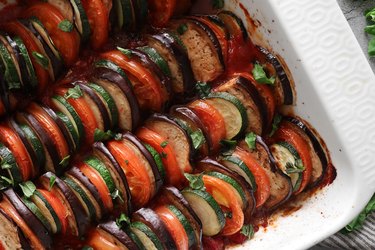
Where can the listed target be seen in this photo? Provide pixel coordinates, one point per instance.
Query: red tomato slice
(58, 207)
(66, 42)
(139, 181)
(99, 183)
(98, 240)
(161, 11)
(226, 197)
(98, 14)
(16, 28)
(174, 226)
(49, 125)
(148, 90)
(85, 114)
(212, 120)
(174, 174)
(287, 133)
(16, 217)
(261, 178)
(15, 145)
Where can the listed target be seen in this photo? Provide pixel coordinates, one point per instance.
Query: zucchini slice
(289, 162)
(157, 159)
(154, 55)
(207, 209)
(233, 112)
(237, 165)
(148, 238)
(10, 65)
(9, 164)
(185, 223)
(38, 213)
(81, 20)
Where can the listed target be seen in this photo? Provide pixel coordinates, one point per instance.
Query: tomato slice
(140, 184)
(261, 178)
(149, 91)
(212, 120)
(16, 217)
(174, 226)
(15, 145)
(161, 11)
(49, 125)
(287, 133)
(174, 174)
(85, 113)
(58, 207)
(99, 183)
(226, 197)
(66, 42)
(16, 28)
(98, 240)
(98, 14)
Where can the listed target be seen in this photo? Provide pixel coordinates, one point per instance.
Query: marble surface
(353, 11)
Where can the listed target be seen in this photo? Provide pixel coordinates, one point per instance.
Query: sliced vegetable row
(128, 171)
(36, 48)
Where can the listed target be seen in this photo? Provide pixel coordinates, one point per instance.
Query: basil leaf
(357, 222)
(5, 165)
(5, 182)
(182, 29)
(228, 144)
(126, 52)
(64, 162)
(275, 124)
(203, 89)
(74, 93)
(66, 26)
(248, 231)
(250, 140)
(52, 181)
(28, 188)
(100, 135)
(371, 47)
(260, 75)
(123, 221)
(164, 144)
(197, 138)
(195, 181)
(118, 137)
(217, 4)
(41, 59)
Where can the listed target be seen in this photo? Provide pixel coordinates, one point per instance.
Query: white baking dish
(336, 94)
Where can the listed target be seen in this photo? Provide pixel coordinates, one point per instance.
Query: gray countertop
(353, 11)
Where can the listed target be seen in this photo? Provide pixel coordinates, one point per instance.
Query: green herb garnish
(260, 75)
(250, 140)
(41, 59)
(74, 93)
(28, 188)
(66, 26)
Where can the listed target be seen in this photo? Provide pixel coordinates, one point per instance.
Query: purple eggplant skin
(133, 139)
(31, 220)
(146, 61)
(99, 103)
(13, 124)
(188, 115)
(213, 38)
(183, 61)
(288, 92)
(168, 119)
(173, 197)
(208, 164)
(81, 221)
(61, 126)
(275, 202)
(101, 151)
(127, 89)
(316, 143)
(113, 229)
(76, 173)
(258, 100)
(20, 237)
(153, 221)
(44, 138)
